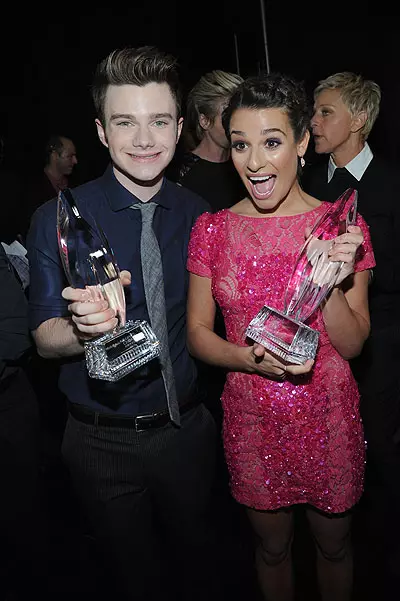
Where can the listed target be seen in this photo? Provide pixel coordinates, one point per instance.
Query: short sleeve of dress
(198, 261)
(365, 255)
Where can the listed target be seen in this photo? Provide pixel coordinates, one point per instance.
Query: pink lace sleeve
(365, 256)
(198, 261)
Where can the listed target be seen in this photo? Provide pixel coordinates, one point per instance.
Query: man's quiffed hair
(138, 67)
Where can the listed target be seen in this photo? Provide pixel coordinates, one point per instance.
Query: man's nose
(143, 137)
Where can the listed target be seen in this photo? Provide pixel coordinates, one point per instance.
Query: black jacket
(379, 204)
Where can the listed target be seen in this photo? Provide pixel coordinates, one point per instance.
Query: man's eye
(160, 123)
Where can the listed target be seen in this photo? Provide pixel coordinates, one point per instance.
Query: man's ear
(179, 129)
(101, 133)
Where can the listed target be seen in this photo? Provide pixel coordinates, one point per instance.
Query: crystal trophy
(89, 263)
(285, 334)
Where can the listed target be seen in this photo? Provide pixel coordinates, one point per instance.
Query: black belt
(138, 422)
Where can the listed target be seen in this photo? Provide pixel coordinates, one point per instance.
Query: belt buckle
(145, 420)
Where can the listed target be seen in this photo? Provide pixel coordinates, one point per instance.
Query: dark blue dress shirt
(108, 202)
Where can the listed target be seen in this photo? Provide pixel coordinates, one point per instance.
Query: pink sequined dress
(299, 440)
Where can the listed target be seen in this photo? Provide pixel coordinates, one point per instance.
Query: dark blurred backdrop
(48, 57)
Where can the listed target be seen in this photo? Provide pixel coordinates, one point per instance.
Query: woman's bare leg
(334, 555)
(273, 555)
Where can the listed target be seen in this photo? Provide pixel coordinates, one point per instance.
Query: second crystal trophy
(89, 263)
(284, 333)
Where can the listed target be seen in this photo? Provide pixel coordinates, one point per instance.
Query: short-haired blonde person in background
(346, 106)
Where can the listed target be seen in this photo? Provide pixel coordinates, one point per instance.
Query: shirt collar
(120, 198)
(356, 166)
(58, 183)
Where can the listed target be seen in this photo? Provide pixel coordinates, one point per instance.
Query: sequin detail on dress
(296, 441)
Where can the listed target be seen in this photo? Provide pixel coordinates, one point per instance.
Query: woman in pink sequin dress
(292, 434)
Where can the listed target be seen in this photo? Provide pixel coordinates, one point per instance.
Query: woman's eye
(239, 146)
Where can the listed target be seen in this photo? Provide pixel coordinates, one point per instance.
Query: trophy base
(285, 337)
(115, 354)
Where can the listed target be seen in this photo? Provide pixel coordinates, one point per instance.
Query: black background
(48, 55)
(48, 58)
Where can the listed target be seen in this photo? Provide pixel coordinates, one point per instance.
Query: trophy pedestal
(284, 333)
(115, 354)
(285, 337)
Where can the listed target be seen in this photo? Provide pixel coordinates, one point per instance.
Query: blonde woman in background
(206, 167)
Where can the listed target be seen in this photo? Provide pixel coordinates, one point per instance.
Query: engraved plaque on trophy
(285, 333)
(89, 263)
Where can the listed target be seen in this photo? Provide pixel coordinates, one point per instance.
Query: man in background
(60, 156)
(60, 160)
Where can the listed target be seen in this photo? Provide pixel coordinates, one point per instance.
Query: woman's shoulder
(212, 219)
(207, 227)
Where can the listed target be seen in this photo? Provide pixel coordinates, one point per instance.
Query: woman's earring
(302, 161)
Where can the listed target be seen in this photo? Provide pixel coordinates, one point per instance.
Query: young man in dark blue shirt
(137, 478)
